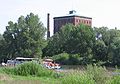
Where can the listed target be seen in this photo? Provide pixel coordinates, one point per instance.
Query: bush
(67, 59)
(74, 59)
(30, 68)
(61, 58)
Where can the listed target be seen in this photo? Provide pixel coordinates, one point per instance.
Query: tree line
(85, 45)
(79, 44)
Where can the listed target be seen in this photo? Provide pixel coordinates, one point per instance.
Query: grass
(27, 73)
(29, 80)
(30, 69)
(77, 78)
(90, 75)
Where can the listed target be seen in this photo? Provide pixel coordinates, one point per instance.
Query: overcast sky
(103, 12)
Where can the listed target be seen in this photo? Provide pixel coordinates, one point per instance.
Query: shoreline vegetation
(30, 72)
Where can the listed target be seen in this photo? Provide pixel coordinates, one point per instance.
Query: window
(76, 20)
(84, 21)
(89, 22)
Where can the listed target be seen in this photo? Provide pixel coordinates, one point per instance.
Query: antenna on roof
(73, 7)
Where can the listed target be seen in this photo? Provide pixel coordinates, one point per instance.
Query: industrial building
(72, 18)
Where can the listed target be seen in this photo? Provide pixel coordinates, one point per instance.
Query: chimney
(48, 25)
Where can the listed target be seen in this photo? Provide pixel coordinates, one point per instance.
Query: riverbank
(86, 75)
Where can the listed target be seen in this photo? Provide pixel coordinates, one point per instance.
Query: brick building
(71, 18)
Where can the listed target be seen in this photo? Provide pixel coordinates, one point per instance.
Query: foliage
(2, 49)
(72, 40)
(77, 78)
(30, 69)
(91, 75)
(61, 58)
(56, 42)
(100, 51)
(67, 59)
(24, 38)
(98, 74)
(115, 80)
(106, 49)
(1, 37)
(81, 40)
(83, 44)
(115, 50)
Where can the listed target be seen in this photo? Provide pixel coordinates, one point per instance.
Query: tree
(104, 31)
(26, 37)
(100, 51)
(1, 37)
(107, 48)
(3, 56)
(80, 40)
(114, 54)
(71, 39)
(57, 42)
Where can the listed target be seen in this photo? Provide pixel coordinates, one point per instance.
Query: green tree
(26, 37)
(104, 31)
(100, 51)
(57, 42)
(114, 56)
(3, 46)
(107, 48)
(72, 40)
(1, 37)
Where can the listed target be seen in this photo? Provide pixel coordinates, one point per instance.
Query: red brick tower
(71, 18)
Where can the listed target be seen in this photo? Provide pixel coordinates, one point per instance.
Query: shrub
(61, 58)
(67, 59)
(74, 59)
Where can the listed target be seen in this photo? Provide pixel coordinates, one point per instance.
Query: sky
(103, 12)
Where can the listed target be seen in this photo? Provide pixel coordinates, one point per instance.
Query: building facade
(71, 18)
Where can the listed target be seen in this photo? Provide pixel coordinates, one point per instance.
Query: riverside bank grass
(91, 75)
(29, 69)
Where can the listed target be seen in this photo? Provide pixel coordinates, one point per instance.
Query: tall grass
(30, 69)
(99, 74)
(115, 80)
(116, 77)
(77, 78)
(92, 75)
